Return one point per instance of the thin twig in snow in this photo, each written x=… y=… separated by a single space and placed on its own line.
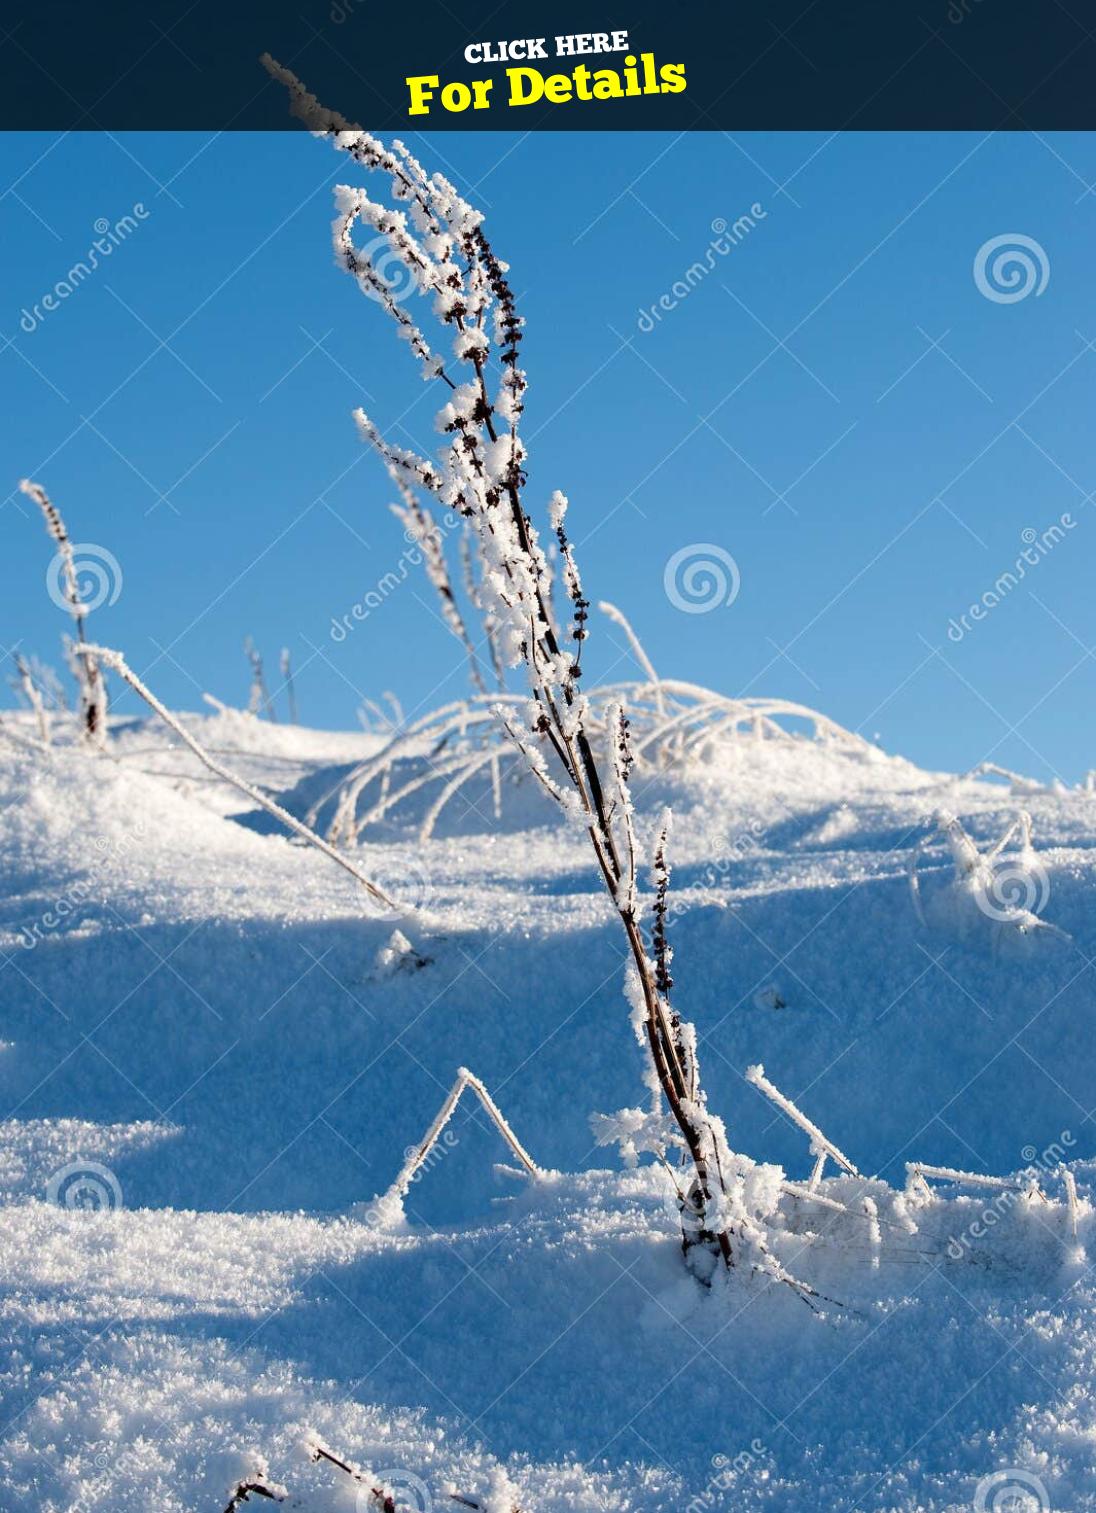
x=245 y=1490
x=420 y=1152
x=33 y=697
x=918 y=1171
x=93 y=693
x=381 y=1499
x=259 y=700
x=287 y=679
x=115 y=661
x=821 y=1146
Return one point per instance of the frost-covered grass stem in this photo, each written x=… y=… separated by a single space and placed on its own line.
x=481 y=474
x=93 y=693
x=33 y=697
x=118 y=664
x=419 y=1153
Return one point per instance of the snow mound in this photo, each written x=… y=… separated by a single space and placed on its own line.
x=214 y=1053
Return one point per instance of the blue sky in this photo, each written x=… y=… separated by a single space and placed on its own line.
x=188 y=406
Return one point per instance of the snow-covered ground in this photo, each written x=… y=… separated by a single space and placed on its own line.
x=209 y=1070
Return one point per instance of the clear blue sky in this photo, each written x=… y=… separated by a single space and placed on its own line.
x=869 y=485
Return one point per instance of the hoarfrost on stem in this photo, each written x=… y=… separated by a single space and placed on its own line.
x=480 y=472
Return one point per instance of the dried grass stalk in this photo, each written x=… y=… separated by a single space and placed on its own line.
x=118 y=664
x=821 y=1145
x=419 y=1153
x=93 y=693
x=33 y=696
x=440 y=238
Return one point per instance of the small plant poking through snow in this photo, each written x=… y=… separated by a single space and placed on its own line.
x=93 y=692
x=373 y=1494
x=481 y=475
x=244 y=1491
x=999 y=891
x=253 y=1482
x=258 y=701
x=28 y=687
x=399 y=955
x=286 y=667
x=376 y=1494
x=387 y=1210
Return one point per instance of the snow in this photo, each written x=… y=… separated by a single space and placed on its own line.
x=222 y=1049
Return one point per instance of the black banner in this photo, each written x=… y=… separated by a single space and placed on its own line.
x=599 y=65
